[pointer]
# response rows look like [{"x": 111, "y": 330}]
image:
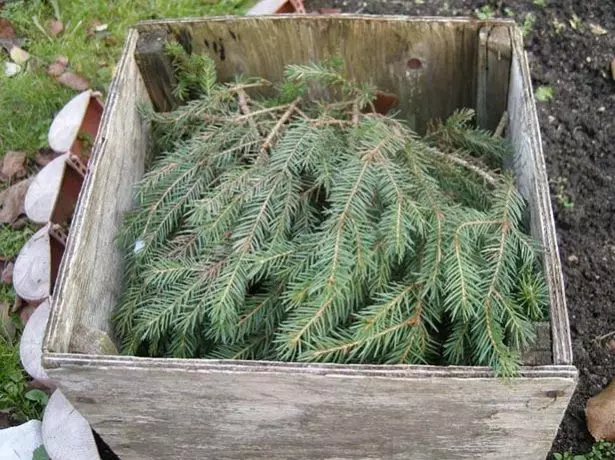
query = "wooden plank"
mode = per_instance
[
  {"x": 156, "y": 69},
  {"x": 445, "y": 51},
  {"x": 90, "y": 275},
  {"x": 494, "y": 57},
  {"x": 533, "y": 184},
  {"x": 192, "y": 409}
]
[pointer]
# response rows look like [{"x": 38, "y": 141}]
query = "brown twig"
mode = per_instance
[
  {"x": 276, "y": 129},
  {"x": 302, "y": 113},
  {"x": 499, "y": 131},
  {"x": 355, "y": 113},
  {"x": 245, "y": 108},
  {"x": 466, "y": 164},
  {"x": 259, "y": 112}
]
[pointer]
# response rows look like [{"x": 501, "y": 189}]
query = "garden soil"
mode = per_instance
[{"x": 574, "y": 58}]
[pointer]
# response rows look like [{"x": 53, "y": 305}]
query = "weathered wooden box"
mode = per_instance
[{"x": 198, "y": 409}]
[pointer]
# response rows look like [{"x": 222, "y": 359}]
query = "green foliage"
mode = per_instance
[
  {"x": 29, "y": 100},
  {"x": 544, "y": 93},
  {"x": 11, "y": 240},
  {"x": 540, "y": 3},
  {"x": 601, "y": 450},
  {"x": 322, "y": 231},
  {"x": 15, "y": 397},
  {"x": 485, "y": 12},
  {"x": 40, "y": 453},
  {"x": 528, "y": 23}
]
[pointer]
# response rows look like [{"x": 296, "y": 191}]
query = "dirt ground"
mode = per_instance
[{"x": 578, "y": 132}]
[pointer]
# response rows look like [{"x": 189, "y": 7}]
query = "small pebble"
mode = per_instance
[{"x": 573, "y": 259}]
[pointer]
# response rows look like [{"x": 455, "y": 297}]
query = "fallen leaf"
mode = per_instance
[
  {"x": 613, "y": 68},
  {"x": 13, "y": 165},
  {"x": 597, "y": 29},
  {"x": 25, "y": 312},
  {"x": 7, "y": 273},
  {"x": 58, "y": 66},
  {"x": 91, "y": 31},
  {"x": 19, "y": 223},
  {"x": 7, "y": 327},
  {"x": 73, "y": 81},
  {"x": 6, "y": 29},
  {"x": 55, "y": 27},
  {"x": 600, "y": 414},
  {"x": 11, "y": 69},
  {"x": 18, "y": 55},
  {"x": 44, "y": 156},
  {"x": 12, "y": 201}
]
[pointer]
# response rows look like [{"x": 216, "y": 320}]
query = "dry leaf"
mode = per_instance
[
  {"x": 600, "y": 414},
  {"x": 73, "y": 81},
  {"x": 19, "y": 223},
  {"x": 44, "y": 156},
  {"x": 91, "y": 31},
  {"x": 6, "y": 29},
  {"x": 12, "y": 201},
  {"x": 55, "y": 27},
  {"x": 597, "y": 29},
  {"x": 13, "y": 165},
  {"x": 18, "y": 55},
  {"x": 57, "y": 67},
  {"x": 613, "y": 68},
  {"x": 26, "y": 311},
  {"x": 7, "y": 327},
  {"x": 7, "y": 273}
]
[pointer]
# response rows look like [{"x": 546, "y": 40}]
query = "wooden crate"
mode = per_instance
[{"x": 208, "y": 409}]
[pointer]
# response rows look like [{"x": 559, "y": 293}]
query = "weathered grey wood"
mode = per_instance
[
  {"x": 541, "y": 351},
  {"x": 494, "y": 56},
  {"x": 90, "y": 274},
  {"x": 446, "y": 50},
  {"x": 156, "y": 69},
  {"x": 532, "y": 181},
  {"x": 193, "y": 409},
  {"x": 165, "y": 408}
]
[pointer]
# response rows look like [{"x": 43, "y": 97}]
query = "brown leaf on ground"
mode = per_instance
[
  {"x": 19, "y": 223},
  {"x": 7, "y": 273},
  {"x": 44, "y": 156},
  {"x": 12, "y": 202},
  {"x": 600, "y": 414},
  {"x": 91, "y": 31},
  {"x": 26, "y": 311},
  {"x": 55, "y": 27},
  {"x": 13, "y": 165},
  {"x": 7, "y": 327},
  {"x": 6, "y": 29},
  {"x": 73, "y": 81},
  {"x": 57, "y": 67}
]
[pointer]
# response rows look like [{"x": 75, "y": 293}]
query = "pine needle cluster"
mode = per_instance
[{"x": 276, "y": 225}]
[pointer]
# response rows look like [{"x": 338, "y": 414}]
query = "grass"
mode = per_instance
[
  {"x": 16, "y": 398},
  {"x": 29, "y": 100},
  {"x": 601, "y": 450}
]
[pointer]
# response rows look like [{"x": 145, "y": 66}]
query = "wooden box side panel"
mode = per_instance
[
  {"x": 255, "y": 412},
  {"x": 91, "y": 276},
  {"x": 524, "y": 133},
  {"x": 430, "y": 65}
]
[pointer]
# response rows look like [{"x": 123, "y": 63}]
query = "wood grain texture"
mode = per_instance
[
  {"x": 446, "y": 50},
  {"x": 194, "y": 409},
  {"x": 165, "y": 408},
  {"x": 533, "y": 183},
  {"x": 90, "y": 274},
  {"x": 156, "y": 69},
  {"x": 494, "y": 56}
]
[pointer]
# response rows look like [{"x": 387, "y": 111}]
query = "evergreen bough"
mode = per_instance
[{"x": 281, "y": 227}]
